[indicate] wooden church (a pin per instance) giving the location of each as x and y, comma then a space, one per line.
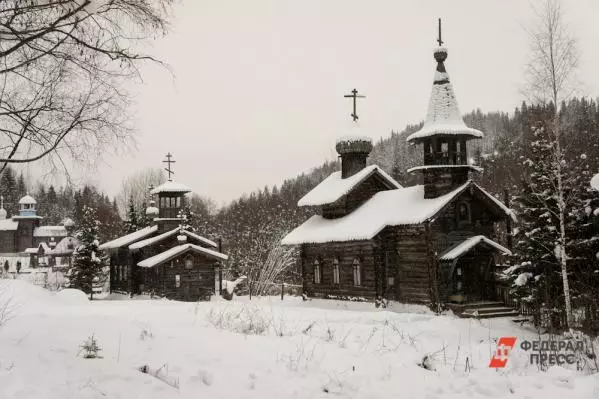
434, 243
166, 259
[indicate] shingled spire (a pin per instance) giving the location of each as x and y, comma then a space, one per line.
443, 135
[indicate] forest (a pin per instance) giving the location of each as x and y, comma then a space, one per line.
517, 163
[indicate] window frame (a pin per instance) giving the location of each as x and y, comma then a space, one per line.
357, 272
317, 271
335, 269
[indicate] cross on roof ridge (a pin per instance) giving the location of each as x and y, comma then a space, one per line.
168, 169
354, 94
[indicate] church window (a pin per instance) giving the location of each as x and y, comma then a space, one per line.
177, 281
444, 152
125, 272
357, 267
390, 281
189, 262
178, 199
463, 212
335, 271
317, 272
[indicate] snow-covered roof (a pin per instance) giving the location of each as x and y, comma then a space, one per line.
8, 224
200, 238
404, 206
595, 182
170, 233
423, 167
130, 238
466, 245
334, 187
66, 246
33, 250
443, 116
171, 187
152, 210
50, 231
178, 250
28, 199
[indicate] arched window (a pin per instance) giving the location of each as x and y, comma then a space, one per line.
357, 272
463, 212
335, 271
317, 272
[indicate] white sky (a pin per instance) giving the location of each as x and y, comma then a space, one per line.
259, 85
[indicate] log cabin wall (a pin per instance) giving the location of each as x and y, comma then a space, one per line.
412, 282
8, 243
346, 253
195, 282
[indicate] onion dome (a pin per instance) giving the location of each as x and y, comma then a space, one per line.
27, 200
152, 210
68, 222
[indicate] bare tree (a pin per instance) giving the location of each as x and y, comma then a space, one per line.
62, 68
279, 260
137, 186
553, 62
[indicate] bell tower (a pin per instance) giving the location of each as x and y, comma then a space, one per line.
171, 200
443, 136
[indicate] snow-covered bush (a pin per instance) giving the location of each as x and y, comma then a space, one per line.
90, 348
247, 320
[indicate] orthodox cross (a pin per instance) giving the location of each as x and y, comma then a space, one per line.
439, 39
168, 168
354, 95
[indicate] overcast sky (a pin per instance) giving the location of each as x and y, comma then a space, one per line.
258, 90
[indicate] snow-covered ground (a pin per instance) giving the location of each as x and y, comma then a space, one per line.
264, 349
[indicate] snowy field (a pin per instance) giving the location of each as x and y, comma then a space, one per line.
264, 349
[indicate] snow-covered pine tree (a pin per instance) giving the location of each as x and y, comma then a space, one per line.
534, 278
187, 215
131, 223
142, 219
88, 259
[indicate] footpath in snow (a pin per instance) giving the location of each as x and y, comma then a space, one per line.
266, 348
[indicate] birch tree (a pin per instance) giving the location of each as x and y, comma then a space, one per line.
62, 68
553, 62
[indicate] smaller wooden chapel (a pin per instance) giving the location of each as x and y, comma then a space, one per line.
433, 243
166, 259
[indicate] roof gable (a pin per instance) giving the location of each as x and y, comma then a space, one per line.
179, 250
465, 246
130, 238
170, 233
334, 187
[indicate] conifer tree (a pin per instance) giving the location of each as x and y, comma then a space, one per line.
88, 259
131, 224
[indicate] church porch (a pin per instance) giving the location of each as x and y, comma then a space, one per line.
467, 272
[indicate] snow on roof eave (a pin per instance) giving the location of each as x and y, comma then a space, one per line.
334, 187
200, 238
171, 187
170, 233
423, 167
445, 129
465, 246
178, 250
129, 238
